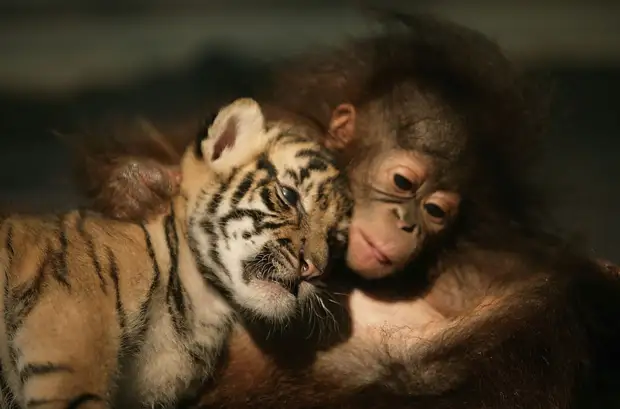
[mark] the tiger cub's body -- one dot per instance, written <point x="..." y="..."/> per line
<point x="99" y="312"/>
<point x="95" y="310"/>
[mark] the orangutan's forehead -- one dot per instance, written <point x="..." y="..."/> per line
<point x="433" y="136"/>
<point x="426" y="123"/>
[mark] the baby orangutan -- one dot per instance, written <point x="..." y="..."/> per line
<point x="492" y="309"/>
<point x="400" y="205"/>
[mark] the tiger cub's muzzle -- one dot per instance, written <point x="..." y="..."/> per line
<point x="280" y="265"/>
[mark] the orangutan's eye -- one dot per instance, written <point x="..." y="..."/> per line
<point x="434" y="211"/>
<point x="402" y="182"/>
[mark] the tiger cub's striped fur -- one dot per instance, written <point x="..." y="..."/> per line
<point x="100" y="313"/>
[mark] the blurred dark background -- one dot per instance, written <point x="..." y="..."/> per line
<point x="66" y="62"/>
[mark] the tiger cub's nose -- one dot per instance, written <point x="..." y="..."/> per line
<point x="307" y="269"/>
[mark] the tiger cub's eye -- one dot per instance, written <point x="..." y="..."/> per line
<point x="290" y="195"/>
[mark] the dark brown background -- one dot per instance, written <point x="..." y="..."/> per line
<point x="65" y="60"/>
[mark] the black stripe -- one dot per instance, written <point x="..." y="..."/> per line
<point x="293" y="175"/>
<point x="11" y="319"/>
<point x="151" y="253"/>
<point x="48" y="368"/>
<point x="265" y="195"/>
<point x="304" y="174"/>
<point x="324" y="191"/>
<point x="264" y="163"/>
<point x="237" y="214"/>
<point x="263" y="182"/>
<point x="206" y="272"/>
<point x="271" y="226"/>
<point x="308" y="188"/>
<point x="175" y="296"/>
<point x="9" y="242"/>
<point x="317" y="164"/>
<point x="63" y="242"/>
<point x="120" y="310"/>
<point x="286" y="243"/>
<point x="59" y="270"/>
<point x="74" y="403"/>
<point x="26" y="296"/>
<point x="7" y="392"/>
<point x="144" y="308"/>
<point x="7" y="299"/>
<point x="208" y="227"/>
<point x="318" y="155"/>
<point x="203" y="355"/>
<point x="90" y="246"/>
<point x="214" y="255"/>
<point x="257" y="217"/>
<point x="219" y="196"/>
<point x="243" y="188"/>
<point x="214" y="203"/>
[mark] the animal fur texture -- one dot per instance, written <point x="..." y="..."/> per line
<point x="100" y="313"/>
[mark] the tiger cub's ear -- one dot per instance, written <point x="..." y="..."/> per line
<point x="236" y="136"/>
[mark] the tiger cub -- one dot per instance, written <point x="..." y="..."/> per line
<point x="98" y="311"/>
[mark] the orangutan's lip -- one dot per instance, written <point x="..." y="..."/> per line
<point x="379" y="255"/>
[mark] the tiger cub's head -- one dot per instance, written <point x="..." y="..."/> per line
<point x="262" y="206"/>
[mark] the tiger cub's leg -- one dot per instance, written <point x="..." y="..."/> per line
<point x="64" y="347"/>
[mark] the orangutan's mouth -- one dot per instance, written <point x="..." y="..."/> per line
<point x="378" y="254"/>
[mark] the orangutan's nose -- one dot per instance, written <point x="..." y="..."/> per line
<point x="409" y="228"/>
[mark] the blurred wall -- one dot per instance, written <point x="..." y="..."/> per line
<point x="67" y="60"/>
<point x="62" y="45"/>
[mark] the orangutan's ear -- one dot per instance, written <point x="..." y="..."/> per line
<point x="341" y="127"/>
